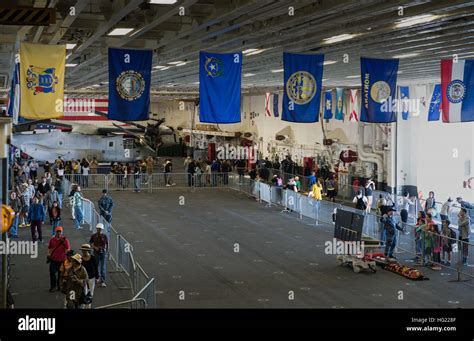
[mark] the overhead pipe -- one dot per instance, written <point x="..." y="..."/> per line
<point x="370" y="157"/>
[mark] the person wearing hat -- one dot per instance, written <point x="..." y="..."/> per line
<point x="100" y="245"/>
<point x="106" y="205"/>
<point x="390" y="227"/>
<point x="446" y="209"/>
<point x="58" y="246"/>
<point x="76" y="280"/>
<point x="90" y="264"/>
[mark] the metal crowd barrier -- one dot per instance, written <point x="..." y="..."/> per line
<point x="323" y="211"/>
<point x="121" y="258"/>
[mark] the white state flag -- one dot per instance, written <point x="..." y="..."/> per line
<point x="420" y="100"/>
<point x="354" y="106"/>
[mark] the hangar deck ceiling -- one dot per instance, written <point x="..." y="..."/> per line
<point x="426" y="32"/>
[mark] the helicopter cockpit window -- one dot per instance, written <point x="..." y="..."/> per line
<point x="128" y="144"/>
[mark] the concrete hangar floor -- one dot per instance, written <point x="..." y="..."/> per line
<point x="190" y="249"/>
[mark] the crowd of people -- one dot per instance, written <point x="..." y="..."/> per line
<point x="38" y="199"/>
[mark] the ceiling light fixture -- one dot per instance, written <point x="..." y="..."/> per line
<point x="277" y="70"/>
<point x="255" y="52"/>
<point x="245" y="52"/>
<point x="181" y="64"/>
<point x="249" y="74"/>
<point x="162" y="2"/>
<point x="71" y="65"/>
<point x="416" y="20"/>
<point x="70" y="46"/>
<point x="329" y="62"/>
<point x="406" y="55"/>
<point x="120" y="31"/>
<point x="338" y="38"/>
<point x="355" y="76"/>
<point x="176" y="63"/>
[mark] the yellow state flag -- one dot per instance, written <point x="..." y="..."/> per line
<point x="42" y="80"/>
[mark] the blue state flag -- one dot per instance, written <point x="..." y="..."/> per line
<point x="379" y="86"/>
<point x="339" y="104"/>
<point x="220" y="77"/>
<point x="328" y="104"/>
<point x="404" y="99"/>
<point x="275" y="105"/>
<point x="13" y="106"/>
<point x="435" y="104"/>
<point x="129" y="84"/>
<point x="302" y="95"/>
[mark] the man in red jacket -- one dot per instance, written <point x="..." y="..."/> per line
<point x="57" y="248"/>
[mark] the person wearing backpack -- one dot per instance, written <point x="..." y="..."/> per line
<point x="361" y="201"/>
<point x="449" y="238"/>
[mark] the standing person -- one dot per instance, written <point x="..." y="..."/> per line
<point x="420" y="223"/>
<point x="149" y="168"/>
<point x="100" y="245"/>
<point x="90" y="264"/>
<point x="316" y="191"/>
<point x="406" y="202"/>
<point x="47" y="167"/>
<point x="390" y="232"/>
<point x="136" y="177"/>
<point x="60" y="171"/>
<point x="240" y="165"/>
<point x="76" y="280"/>
<point x="207" y="173"/>
<point x="464" y="226"/>
<point x="191" y="170"/>
<point x="71" y="200"/>
<point x="312" y="180"/>
<point x="215" y="169"/>
<point x="26" y="170"/>
<point x="34" y="169"/>
<point x="198" y="176"/>
<point x="468" y="206"/>
<point x="44" y="187"/>
<point x="77" y="204"/>
<point x="51" y="197"/>
<point x="369" y="189"/>
<point x="430" y="204"/>
<point x="449" y="238"/>
<point x="25" y="204"/>
<point x="106" y="204"/>
<point x="93" y="168"/>
<point x="360" y="200"/>
<point x="85" y="173"/>
<point x="58" y="186"/>
<point x="380" y="211"/>
<point x="297" y="183"/>
<point x="15" y="204"/>
<point x="168" y="171"/>
<point x="36" y="219"/>
<point x="437" y="247"/>
<point x="331" y="188"/>
<point x="55" y="216"/>
<point x="446" y="209"/>
<point x="58" y="246"/>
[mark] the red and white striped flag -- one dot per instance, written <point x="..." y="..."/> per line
<point x="82" y="109"/>
<point x="354" y="107"/>
<point x="267" y="104"/>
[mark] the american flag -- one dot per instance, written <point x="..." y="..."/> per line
<point x="82" y="109"/>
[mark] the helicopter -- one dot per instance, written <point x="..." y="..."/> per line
<point x="78" y="141"/>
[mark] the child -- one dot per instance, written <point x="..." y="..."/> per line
<point x="436" y="236"/>
<point x="420" y="223"/>
<point x="55" y="215"/>
<point x="449" y="238"/>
